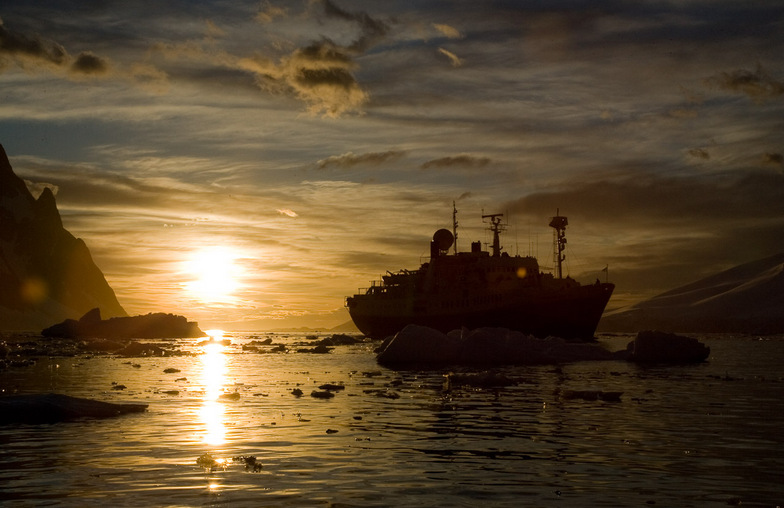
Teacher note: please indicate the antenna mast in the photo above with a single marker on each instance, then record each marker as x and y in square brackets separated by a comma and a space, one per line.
[559, 224]
[454, 224]
[496, 227]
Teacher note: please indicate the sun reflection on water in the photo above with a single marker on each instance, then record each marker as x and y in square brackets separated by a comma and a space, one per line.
[212, 411]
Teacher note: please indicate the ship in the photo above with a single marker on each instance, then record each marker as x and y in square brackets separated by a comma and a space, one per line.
[483, 288]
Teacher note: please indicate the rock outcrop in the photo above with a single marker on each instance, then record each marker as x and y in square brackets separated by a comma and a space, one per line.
[46, 274]
[148, 326]
[53, 407]
[652, 346]
[421, 346]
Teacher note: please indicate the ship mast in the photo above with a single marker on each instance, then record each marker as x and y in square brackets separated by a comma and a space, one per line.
[496, 227]
[559, 224]
[454, 224]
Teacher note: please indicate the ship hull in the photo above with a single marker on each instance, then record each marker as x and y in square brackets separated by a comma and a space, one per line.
[571, 313]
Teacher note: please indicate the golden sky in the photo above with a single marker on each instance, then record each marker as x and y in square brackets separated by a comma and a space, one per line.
[250, 164]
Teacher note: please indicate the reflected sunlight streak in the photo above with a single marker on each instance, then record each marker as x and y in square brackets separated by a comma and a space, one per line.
[213, 411]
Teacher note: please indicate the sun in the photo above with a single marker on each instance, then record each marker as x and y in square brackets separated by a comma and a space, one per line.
[213, 273]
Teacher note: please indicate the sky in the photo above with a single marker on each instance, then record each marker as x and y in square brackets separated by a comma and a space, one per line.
[251, 164]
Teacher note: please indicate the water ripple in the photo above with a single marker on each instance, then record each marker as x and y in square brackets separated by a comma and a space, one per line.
[680, 436]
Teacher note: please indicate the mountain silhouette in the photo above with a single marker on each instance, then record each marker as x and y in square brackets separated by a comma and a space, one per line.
[748, 298]
[46, 274]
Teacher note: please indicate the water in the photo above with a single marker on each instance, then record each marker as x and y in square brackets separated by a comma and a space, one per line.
[699, 435]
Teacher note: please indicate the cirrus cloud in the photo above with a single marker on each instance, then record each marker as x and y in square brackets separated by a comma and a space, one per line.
[453, 58]
[758, 85]
[350, 159]
[448, 31]
[463, 160]
[287, 212]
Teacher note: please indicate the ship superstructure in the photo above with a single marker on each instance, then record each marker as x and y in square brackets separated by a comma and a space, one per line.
[482, 288]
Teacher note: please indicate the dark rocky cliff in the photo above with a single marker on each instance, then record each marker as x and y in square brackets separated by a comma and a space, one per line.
[46, 274]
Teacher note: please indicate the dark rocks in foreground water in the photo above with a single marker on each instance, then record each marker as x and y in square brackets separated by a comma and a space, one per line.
[418, 345]
[321, 394]
[341, 339]
[53, 407]
[653, 346]
[148, 326]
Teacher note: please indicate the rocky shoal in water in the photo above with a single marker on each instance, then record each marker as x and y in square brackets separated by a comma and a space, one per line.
[149, 326]
[422, 346]
[19, 350]
[54, 407]
[413, 346]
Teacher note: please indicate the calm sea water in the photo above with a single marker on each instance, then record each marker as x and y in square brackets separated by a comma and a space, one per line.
[699, 435]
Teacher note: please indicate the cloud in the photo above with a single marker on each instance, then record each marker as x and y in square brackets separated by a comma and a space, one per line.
[758, 85]
[149, 78]
[287, 212]
[660, 231]
[36, 188]
[213, 31]
[456, 61]
[773, 158]
[350, 159]
[371, 29]
[269, 12]
[35, 52]
[448, 31]
[649, 199]
[683, 113]
[319, 75]
[89, 64]
[28, 49]
[699, 153]
[143, 184]
[458, 160]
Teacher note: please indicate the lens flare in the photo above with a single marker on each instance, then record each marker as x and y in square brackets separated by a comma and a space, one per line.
[33, 290]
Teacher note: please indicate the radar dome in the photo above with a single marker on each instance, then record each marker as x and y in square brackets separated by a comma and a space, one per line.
[443, 239]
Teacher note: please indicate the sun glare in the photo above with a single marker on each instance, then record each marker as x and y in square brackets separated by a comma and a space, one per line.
[213, 273]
